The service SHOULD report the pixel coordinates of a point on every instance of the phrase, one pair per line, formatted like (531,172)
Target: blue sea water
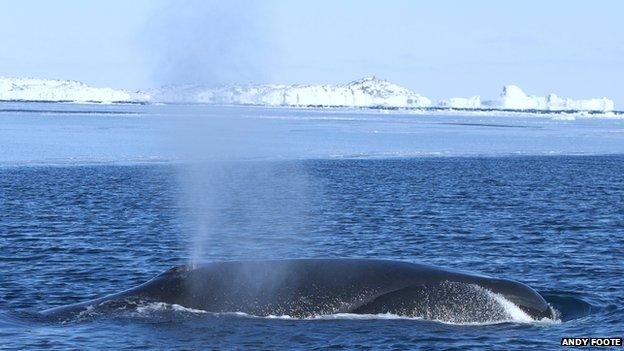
(76,224)
(73,233)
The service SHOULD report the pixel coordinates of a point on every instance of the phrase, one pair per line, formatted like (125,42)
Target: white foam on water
(162,306)
(517,315)
(514,314)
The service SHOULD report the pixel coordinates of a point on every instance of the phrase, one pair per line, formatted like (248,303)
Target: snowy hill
(30,89)
(365,92)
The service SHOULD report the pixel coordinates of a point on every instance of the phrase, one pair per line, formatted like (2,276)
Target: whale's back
(312,287)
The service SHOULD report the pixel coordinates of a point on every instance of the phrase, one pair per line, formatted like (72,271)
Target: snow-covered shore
(366,92)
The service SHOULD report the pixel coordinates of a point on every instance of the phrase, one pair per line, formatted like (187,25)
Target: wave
(569,306)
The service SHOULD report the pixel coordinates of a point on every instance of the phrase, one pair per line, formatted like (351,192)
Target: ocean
(96,199)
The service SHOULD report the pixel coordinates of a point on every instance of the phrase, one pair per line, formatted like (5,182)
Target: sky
(439,48)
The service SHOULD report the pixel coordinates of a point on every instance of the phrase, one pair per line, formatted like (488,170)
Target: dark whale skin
(312,287)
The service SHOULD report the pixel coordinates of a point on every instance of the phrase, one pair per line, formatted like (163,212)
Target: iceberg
(31,89)
(366,92)
(514,98)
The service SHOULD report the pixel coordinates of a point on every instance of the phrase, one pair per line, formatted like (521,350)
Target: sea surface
(98,199)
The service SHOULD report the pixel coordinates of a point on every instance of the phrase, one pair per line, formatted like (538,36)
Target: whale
(303,288)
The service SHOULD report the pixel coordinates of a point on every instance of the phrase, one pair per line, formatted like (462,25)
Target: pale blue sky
(438,48)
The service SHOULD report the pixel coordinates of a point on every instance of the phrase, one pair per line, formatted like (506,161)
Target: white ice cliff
(513,98)
(458,102)
(30,89)
(366,92)
(361,93)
